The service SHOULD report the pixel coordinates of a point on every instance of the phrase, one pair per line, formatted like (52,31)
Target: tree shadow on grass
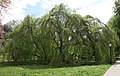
(29,65)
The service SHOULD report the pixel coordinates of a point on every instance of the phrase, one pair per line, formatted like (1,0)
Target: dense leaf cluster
(61,37)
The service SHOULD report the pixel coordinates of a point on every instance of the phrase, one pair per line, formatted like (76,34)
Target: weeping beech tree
(19,45)
(62,37)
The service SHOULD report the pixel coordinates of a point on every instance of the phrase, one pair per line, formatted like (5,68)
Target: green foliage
(62,37)
(43,70)
(114,25)
(20,46)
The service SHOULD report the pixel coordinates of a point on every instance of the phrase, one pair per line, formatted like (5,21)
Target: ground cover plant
(44,70)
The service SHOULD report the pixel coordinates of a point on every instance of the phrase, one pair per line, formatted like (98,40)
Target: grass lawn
(42,70)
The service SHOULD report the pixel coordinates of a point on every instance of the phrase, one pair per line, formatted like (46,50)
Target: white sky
(102,9)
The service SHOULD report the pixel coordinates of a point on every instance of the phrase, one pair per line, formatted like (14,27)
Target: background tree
(114,23)
(4,4)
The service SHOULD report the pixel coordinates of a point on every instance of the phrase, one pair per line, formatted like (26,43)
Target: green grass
(42,70)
